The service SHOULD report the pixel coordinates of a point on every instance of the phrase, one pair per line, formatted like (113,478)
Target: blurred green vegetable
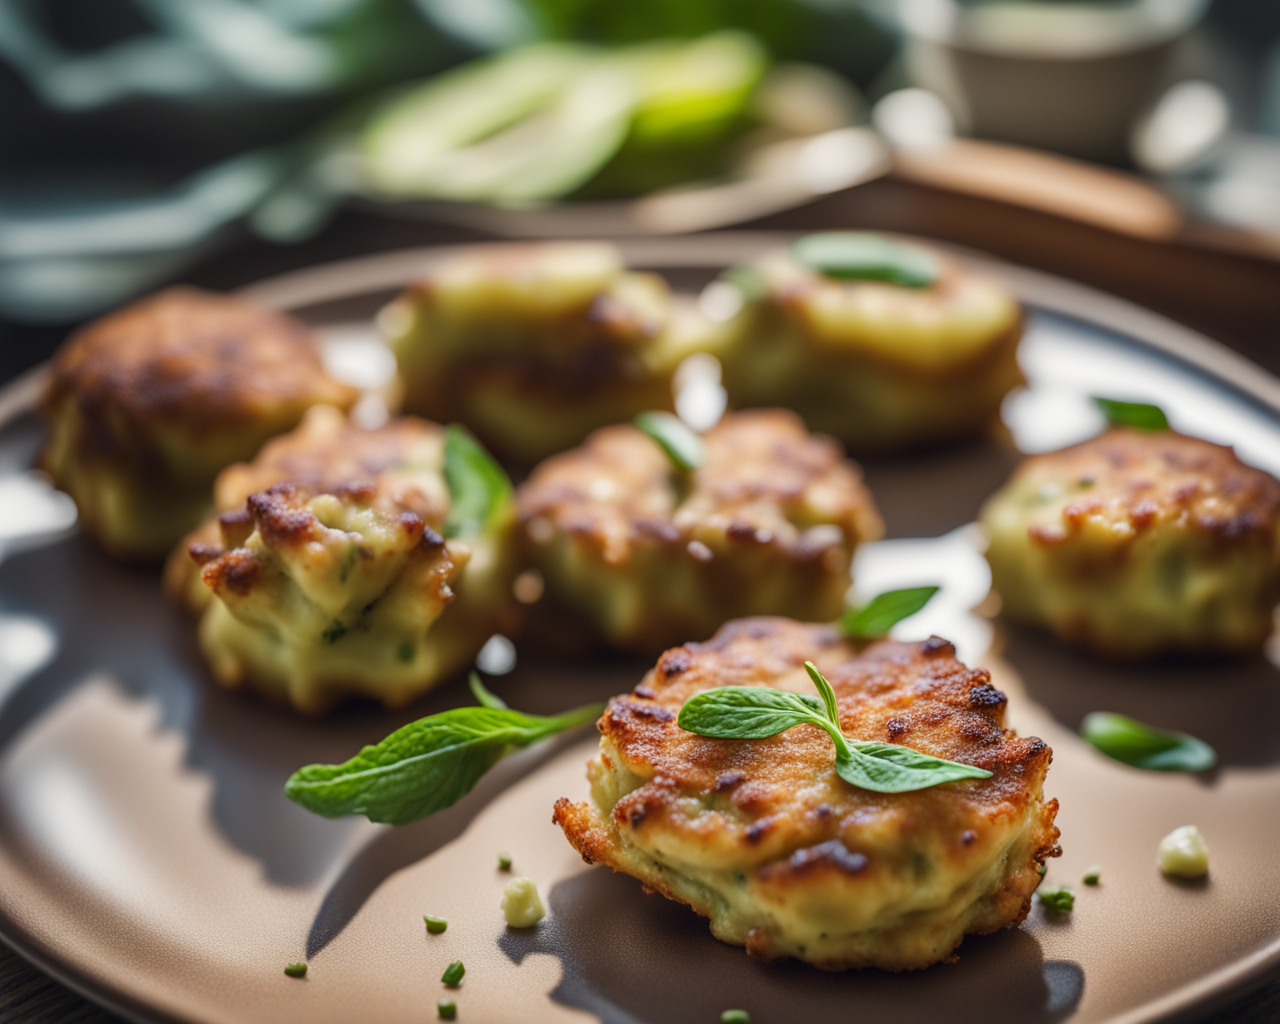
(544,121)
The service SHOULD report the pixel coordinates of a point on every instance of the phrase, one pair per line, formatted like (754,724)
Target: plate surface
(149,859)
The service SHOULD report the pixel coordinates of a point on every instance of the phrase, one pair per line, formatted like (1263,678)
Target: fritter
(533,346)
(785,857)
(339,580)
(1139,543)
(650,555)
(145,406)
(881,366)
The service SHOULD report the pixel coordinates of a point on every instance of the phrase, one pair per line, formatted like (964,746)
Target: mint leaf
(479,489)
(856,255)
(425,766)
(891,768)
(681,444)
(482,695)
(747,712)
(1144,746)
(884,611)
(1132,414)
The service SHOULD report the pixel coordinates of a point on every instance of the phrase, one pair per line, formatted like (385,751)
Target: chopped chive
(447,1009)
(298,970)
(334,633)
(1092,876)
(405,653)
(435,925)
(735,1017)
(504,862)
(1041,869)
(1057,899)
(453,974)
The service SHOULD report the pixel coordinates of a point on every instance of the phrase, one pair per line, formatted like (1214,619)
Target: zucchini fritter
(331,576)
(785,857)
(1136,544)
(145,406)
(881,366)
(650,556)
(534,346)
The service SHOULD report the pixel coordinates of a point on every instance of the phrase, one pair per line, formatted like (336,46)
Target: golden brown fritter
(651,556)
(881,366)
(336,580)
(146,405)
(1137,543)
(535,345)
(785,857)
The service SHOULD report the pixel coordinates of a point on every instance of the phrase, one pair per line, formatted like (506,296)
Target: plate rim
(388,270)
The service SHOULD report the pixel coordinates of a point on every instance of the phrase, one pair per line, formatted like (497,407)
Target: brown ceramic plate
(149,859)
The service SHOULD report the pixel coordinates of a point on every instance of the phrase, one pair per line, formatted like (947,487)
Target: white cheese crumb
(1184,853)
(521,903)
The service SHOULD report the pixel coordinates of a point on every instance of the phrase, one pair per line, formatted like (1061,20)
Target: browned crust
(761,468)
(185,357)
(1147,479)
(785,818)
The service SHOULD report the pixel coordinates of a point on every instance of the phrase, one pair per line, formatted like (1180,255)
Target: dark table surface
(1252,327)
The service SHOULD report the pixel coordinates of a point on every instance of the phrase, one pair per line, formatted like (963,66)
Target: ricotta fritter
(145,406)
(649,555)
(881,366)
(338,581)
(533,346)
(1139,543)
(784,856)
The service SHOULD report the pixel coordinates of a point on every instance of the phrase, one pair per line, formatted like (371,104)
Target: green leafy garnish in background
(884,611)
(752,713)
(685,448)
(1057,899)
(856,255)
(1138,415)
(479,489)
(429,764)
(1144,746)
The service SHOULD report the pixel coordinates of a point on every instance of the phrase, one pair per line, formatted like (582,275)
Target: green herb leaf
(298,970)
(425,766)
(856,255)
(747,712)
(1057,899)
(482,695)
(750,712)
(890,768)
(435,925)
(478,487)
(1144,746)
(735,1017)
(504,862)
(1093,876)
(884,611)
(682,445)
(1132,414)
(447,1009)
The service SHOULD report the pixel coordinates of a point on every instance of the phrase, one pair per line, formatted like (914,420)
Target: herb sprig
(1144,746)
(429,764)
(752,712)
(681,445)
(479,488)
(884,611)
(857,255)
(1138,415)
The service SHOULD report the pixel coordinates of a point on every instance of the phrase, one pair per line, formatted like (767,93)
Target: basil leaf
(1132,414)
(856,255)
(747,712)
(891,768)
(1144,746)
(425,766)
(884,611)
(824,690)
(682,445)
(482,695)
(479,489)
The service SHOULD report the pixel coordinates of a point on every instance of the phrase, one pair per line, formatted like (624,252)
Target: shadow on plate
(1231,704)
(599,919)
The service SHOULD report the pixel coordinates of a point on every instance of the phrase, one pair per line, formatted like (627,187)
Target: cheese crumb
(521,903)
(1184,853)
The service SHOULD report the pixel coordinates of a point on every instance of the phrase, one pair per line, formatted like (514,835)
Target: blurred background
(1130,144)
